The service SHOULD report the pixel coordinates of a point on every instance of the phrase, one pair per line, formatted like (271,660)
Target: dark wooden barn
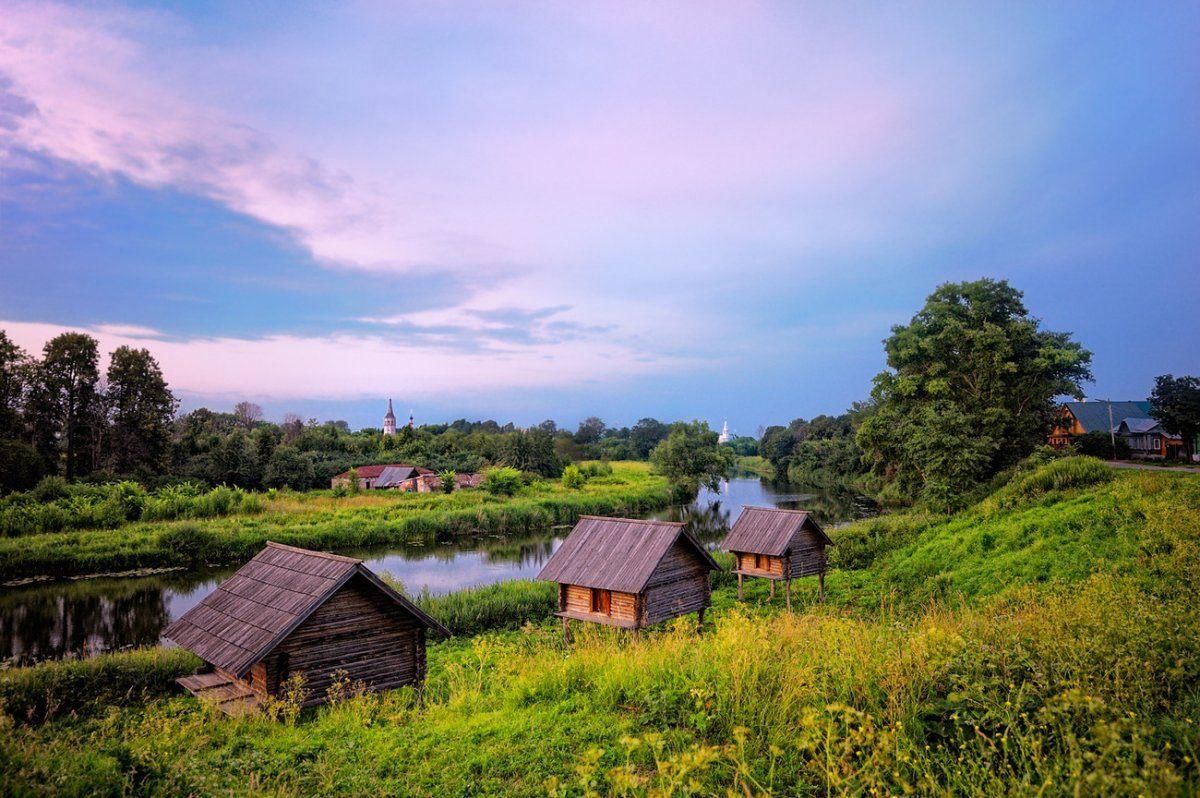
(292,611)
(779,545)
(628,573)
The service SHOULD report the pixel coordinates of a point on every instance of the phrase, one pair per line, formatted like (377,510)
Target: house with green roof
(1129,420)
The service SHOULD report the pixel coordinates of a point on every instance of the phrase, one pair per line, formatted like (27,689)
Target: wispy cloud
(347,365)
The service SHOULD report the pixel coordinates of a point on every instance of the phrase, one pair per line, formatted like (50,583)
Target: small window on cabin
(602,601)
(760,562)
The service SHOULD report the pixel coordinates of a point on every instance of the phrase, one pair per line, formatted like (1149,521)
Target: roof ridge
(776,509)
(325,554)
(633,520)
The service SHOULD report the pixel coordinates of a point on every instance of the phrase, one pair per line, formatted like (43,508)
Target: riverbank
(1041,642)
(322,521)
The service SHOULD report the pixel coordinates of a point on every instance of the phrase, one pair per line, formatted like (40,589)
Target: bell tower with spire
(724,437)
(389,421)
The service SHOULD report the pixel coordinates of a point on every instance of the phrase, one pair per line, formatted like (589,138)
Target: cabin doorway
(601,601)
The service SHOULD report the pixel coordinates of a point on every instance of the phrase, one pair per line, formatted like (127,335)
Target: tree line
(61,416)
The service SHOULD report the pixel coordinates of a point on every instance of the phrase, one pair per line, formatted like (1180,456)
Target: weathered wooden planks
(294,612)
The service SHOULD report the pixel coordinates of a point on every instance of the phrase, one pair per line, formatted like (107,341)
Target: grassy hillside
(323,521)
(1042,643)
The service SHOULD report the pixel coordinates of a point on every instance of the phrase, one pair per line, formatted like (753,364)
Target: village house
(628,573)
(778,545)
(292,612)
(391,476)
(1148,440)
(1129,420)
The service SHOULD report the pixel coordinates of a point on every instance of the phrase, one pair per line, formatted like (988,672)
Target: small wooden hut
(779,545)
(292,611)
(629,573)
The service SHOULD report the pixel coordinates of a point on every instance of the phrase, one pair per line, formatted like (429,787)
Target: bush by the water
(573,478)
(502,481)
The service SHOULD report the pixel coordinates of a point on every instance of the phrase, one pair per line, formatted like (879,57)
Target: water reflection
(87,616)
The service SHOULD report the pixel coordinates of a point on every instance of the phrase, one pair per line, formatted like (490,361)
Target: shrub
(447,479)
(596,468)
(502,481)
(50,489)
(1102,445)
(573,478)
(188,543)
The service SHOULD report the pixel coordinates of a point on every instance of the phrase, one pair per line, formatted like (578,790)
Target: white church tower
(389,421)
(724,437)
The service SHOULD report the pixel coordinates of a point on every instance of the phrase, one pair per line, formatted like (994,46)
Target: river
(83,617)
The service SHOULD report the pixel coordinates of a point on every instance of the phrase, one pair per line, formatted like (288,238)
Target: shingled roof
(768,530)
(1094,416)
(252,611)
(616,553)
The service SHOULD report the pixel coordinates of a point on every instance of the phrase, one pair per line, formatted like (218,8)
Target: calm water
(88,616)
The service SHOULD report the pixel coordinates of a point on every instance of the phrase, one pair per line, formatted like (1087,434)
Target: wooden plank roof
(616,553)
(769,530)
(252,611)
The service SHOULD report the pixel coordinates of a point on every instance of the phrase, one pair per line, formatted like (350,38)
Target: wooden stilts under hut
(778,545)
(629,573)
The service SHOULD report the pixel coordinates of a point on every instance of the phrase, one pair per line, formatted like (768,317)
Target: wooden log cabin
(628,573)
(291,612)
(779,545)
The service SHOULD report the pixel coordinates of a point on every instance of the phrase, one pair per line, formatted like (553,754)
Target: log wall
(358,631)
(679,585)
(774,565)
(575,598)
(807,556)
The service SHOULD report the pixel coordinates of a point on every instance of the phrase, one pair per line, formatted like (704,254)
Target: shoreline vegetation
(322,520)
(1041,640)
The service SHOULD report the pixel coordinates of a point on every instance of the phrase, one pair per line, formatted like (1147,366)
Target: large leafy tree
(64,401)
(288,467)
(140,408)
(531,450)
(970,389)
(1175,402)
(646,434)
(691,458)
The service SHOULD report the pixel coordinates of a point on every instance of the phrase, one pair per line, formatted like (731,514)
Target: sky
(525,211)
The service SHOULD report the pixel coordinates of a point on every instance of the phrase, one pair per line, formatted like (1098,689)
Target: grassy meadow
(322,520)
(1042,642)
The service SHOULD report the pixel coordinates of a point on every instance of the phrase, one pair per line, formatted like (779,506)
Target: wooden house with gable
(779,545)
(628,573)
(291,612)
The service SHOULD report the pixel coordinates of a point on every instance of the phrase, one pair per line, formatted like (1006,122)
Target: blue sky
(532,210)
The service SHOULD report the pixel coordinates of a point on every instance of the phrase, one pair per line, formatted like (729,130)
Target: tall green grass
(64,687)
(1062,661)
(504,605)
(57,507)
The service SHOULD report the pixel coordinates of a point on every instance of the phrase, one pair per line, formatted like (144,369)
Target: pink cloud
(343,365)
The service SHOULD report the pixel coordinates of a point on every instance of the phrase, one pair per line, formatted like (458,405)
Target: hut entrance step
(231,697)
